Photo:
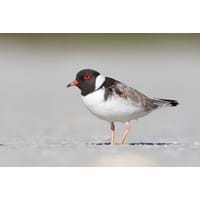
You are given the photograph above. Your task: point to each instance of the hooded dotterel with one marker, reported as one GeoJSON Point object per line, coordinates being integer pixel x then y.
{"type": "Point", "coordinates": [114, 101]}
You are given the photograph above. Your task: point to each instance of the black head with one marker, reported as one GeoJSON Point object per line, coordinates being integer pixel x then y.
{"type": "Point", "coordinates": [85, 81]}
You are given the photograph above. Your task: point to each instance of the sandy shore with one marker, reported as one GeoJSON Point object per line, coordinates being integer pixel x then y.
{"type": "Point", "coordinates": [42, 123]}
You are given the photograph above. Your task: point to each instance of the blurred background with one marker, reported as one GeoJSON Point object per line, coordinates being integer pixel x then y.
{"type": "Point", "coordinates": [42, 123]}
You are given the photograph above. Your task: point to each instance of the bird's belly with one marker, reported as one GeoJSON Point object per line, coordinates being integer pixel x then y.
{"type": "Point", "coordinates": [114, 109]}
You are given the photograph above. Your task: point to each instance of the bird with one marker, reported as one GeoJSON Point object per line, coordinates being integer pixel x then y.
{"type": "Point", "coordinates": [114, 101]}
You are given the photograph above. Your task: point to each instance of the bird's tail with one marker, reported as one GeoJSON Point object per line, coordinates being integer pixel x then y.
{"type": "Point", "coordinates": [165, 103]}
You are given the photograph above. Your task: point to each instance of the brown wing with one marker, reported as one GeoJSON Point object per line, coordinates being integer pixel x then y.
{"type": "Point", "coordinates": [126, 92]}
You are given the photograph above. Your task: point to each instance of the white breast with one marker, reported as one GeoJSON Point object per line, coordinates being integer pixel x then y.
{"type": "Point", "coordinates": [114, 109]}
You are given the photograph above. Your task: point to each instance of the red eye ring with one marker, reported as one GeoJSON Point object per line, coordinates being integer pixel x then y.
{"type": "Point", "coordinates": [87, 77]}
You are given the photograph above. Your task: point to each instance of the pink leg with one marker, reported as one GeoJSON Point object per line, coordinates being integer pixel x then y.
{"type": "Point", "coordinates": [113, 133]}
{"type": "Point", "coordinates": [125, 134]}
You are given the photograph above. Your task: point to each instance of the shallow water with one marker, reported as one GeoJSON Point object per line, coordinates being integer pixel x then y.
{"type": "Point", "coordinates": [42, 123]}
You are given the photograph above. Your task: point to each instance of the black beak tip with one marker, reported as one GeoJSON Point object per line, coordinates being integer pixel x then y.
{"type": "Point", "coordinates": [69, 85]}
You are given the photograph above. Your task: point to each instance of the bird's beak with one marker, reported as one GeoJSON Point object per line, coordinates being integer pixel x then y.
{"type": "Point", "coordinates": [73, 83]}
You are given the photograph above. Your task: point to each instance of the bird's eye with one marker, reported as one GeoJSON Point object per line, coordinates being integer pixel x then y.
{"type": "Point", "coordinates": [87, 77]}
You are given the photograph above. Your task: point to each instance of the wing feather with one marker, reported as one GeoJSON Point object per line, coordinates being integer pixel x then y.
{"type": "Point", "coordinates": [126, 92]}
